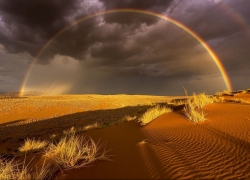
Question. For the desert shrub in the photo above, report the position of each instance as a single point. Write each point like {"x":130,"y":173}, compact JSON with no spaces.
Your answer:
{"x":88,"y":127}
{"x":193,"y":113}
{"x":194,"y":107}
{"x":69,"y":131}
{"x":9,"y":169}
{"x":219,"y":99}
{"x":32,"y":145}
{"x":130,"y":118}
{"x":239,"y":100}
{"x":177,"y":102}
{"x":219,"y":93}
{"x":152,"y":113}
{"x":200,"y":100}
{"x":74,"y":151}
{"x":181,"y":102}
{"x":225,"y":92}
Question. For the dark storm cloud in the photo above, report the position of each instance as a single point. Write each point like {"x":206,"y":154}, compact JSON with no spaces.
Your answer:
{"x":128,"y":19}
{"x":224,"y":25}
{"x":126,"y":46}
{"x":156,"y":5}
{"x":27,"y":24}
{"x":211,"y":19}
{"x":39,"y":13}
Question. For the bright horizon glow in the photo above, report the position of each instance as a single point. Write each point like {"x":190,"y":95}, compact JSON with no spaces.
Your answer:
{"x":175,"y":22}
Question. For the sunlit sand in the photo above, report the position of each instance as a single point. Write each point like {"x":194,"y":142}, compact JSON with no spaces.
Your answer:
{"x":169,"y":147}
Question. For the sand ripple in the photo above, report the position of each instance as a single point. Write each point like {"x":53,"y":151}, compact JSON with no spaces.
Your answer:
{"x":217,"y":149}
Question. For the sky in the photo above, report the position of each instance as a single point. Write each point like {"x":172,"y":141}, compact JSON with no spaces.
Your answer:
{"x":123,"y":52}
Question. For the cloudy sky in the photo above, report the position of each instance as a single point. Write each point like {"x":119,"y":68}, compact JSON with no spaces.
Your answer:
{"x":123,"y":52}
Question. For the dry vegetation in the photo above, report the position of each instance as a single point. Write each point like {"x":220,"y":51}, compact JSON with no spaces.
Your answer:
{"x":194,"y":107}
{"x":31,"y":145}
{"x":74,"y":152}
{"x":70,"y":152}
{"x":9,"y":169}
{"x":153,"y":113}
{"x":194,"y":110}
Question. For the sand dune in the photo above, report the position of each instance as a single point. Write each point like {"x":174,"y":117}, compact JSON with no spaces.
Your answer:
{"x":176,"y":148}
{"x":170,"y":147}
{"x":34,"y":108}
{"x":218,"y":148}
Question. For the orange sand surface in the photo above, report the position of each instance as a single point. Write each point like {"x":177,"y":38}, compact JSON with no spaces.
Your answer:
{"x":245,"y":96}
{"x":34,"y":108}
{"x":176,"y":148}
{"x":44,"y":117}
{"x":170,"y":147}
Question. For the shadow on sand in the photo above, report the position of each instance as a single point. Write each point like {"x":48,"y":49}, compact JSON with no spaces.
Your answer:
{"x":14,"y":133}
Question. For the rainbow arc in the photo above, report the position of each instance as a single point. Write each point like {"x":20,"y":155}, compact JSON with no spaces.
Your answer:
{"x":171,"y":20}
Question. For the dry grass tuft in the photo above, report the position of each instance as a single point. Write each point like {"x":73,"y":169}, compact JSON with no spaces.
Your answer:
{"x":11,"y":170}
{"x":201,"y":100}
{"x":32,"y":145}
{"x":194,"y":113}
{"x":219,"y":99}
{"x":8,"y":170}
{"x":194,"y":107}
{"x":41,"y":172}
{"x":89,"y":127}
{"x":74,"y":152}
{"x":76,"y":130}
{"x":177,"y":102}
{"x":153,"y":113}
{"x":130,"y":118}
{"x":239,"y":100}
{"x":226,"y":93}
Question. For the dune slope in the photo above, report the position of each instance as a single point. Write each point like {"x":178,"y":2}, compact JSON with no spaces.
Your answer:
{"x":218,"y":148}
{"x":176,"y":148}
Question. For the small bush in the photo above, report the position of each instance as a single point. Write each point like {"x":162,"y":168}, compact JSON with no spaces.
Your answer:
{"x":219,"y":93}
{"x":13,"y":170}
{"x":225,"y":92}
{"x":73,"y":152}
{"x":201,"y":100}
{"x":130,"y":118}
{"x":8,"y":170}
{"x":194,"y":107}
{"x":32,"y":145}
{"x":153,"y":113}
{"x":193,"y":113}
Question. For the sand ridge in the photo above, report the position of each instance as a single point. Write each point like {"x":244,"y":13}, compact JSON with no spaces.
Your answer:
{"x":216,"y":149}
{"x":175,"y":148}
{"x":170,"y":147}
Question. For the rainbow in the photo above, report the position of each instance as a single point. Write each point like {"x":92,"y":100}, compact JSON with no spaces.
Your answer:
{"x":161,"y":16}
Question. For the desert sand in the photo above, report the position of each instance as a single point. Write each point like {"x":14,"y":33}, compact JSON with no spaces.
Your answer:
{"x":175,"y":148}
{"x":170,"y":147}
{"x":45,"y":116}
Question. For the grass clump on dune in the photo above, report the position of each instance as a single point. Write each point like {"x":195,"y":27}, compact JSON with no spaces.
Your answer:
{"x":31,"y":145}
{"x":13,"y":170}
{"x":194,"y":107}
{"x":153,"y":113}
{"x":194,"y":113}
{"x":201,"y":100}
{"x":8,"y":170}
{"x":74,"y":152}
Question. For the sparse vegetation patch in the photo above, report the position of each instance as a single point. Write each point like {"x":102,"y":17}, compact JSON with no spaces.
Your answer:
{"x":9,"y":169}
{"x":32,"y":145}
{"x":194,"y":107}
{"x":74,"y":151}
{"x":153,"y":113}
